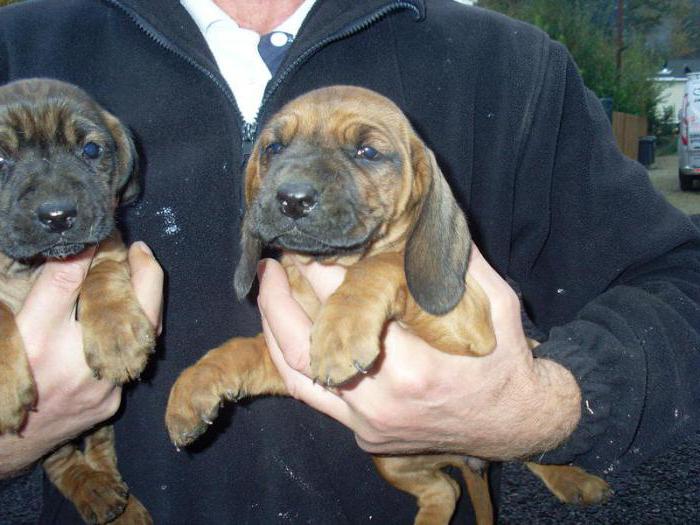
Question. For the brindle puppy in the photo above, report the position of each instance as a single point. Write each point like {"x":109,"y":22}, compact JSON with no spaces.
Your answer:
{"x":339,"y":175}
{"x":65,"y":163}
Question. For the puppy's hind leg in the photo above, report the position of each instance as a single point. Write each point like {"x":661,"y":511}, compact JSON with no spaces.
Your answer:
{"x":475,"y":473}
{"x":572,"y":484}
{"x":99,"y":452}
{"x":94,"y":486}
{"x":435,"y":491}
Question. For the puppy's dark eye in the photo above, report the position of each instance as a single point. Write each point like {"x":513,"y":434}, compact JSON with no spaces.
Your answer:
{"x":92,"y":150}
{"x":367,"y":152}
{"x":274,"y":148}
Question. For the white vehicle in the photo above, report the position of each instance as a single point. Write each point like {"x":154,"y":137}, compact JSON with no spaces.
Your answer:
{"x":689,"y":136}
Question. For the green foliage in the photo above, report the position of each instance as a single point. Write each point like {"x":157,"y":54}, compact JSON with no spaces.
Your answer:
{"x":665,"y":129}
{"x":577,"y":24}
{"x":6,"y":2}
{"x":684,"y":35}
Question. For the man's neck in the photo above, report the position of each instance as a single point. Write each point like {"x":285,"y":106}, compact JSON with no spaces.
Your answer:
{"x":258,"y":15}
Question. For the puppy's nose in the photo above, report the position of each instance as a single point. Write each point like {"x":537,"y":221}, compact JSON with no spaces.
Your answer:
{"x":57,"y":215}
{"x":297,"y":199}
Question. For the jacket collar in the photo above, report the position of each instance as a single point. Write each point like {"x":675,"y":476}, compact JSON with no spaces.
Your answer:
{"x":170,"y":21}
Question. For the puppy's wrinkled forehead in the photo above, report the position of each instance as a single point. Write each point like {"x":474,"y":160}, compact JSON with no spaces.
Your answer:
{"x":42,"y":116}
{"x":342,"y":115}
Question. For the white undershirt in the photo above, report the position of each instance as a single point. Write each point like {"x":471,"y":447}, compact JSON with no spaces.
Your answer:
{"x":236,"y":50}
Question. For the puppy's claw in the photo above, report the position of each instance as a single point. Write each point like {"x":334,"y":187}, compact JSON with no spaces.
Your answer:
{"x":230,"y":395}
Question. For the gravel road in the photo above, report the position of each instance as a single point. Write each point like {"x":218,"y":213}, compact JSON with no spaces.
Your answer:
{"x":664,"y":176}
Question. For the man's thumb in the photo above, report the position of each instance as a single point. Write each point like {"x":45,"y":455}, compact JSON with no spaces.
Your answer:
{"x":54,"y":294}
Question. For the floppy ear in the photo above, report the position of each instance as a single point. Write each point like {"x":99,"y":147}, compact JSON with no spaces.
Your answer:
{"x":251,"y":246}
{"x":127,"y":179}
{"x":437,"y":250}
{"x":251,"y":249}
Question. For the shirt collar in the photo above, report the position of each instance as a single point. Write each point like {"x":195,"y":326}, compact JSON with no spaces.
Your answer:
{"x":206,"y":13}
{"x":293,"y":23}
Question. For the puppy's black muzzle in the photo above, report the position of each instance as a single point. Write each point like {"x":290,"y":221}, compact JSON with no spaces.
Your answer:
{"x":297,"y":199}
{"x":57,"y":216}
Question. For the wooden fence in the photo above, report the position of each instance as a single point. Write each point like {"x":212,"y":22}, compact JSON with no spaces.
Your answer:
{"x":627,"y":129}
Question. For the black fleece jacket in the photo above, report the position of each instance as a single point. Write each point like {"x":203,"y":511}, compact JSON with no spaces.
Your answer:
{"x":607,"y":268}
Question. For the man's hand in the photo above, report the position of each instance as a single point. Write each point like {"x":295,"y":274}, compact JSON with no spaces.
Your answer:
{"x":502,"y":406}
{"x":70,"y":399}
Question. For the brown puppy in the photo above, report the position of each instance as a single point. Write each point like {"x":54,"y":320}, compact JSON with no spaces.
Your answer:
{"x":64,"y":165}
{"x":339,"y":175}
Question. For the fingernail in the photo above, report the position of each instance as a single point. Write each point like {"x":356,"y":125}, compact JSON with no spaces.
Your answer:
{"x":143,"y":247}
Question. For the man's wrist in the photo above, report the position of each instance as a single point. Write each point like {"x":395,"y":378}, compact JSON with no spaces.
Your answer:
{"x":17,"y":458}
{"x":541,"y":408}
{"x":560,"y":405}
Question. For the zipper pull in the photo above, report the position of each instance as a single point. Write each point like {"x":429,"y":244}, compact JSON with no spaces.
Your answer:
{"x":248,"y":131}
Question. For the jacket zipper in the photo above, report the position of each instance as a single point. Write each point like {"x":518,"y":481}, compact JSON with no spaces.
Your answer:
{"x":159,"y":39}
{"x":249,"y":130}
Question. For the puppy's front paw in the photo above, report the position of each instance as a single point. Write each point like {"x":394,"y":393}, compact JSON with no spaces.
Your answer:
{"x":193,"y":403}
{"x":17,"y":390}
{"x":118,"y":338}
{"x":343,"y":344}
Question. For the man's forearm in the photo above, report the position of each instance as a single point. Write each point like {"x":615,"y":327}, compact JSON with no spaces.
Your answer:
{"x":17,"y":454}
{"x":560,"y":410}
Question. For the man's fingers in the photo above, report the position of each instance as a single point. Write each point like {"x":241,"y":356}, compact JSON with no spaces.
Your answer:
{"x":324,"y":279}
{"x":147,"y":279}
{"x":287,"y":320}
{"x":303,"y":388}
{"x":54,"y":293}
{"x":505,"y":304}
{"x":286,"y":328}
{"x":492,"y":283}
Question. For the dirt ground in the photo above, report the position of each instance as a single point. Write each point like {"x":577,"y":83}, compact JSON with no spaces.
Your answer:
{"x":664,"y":176}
